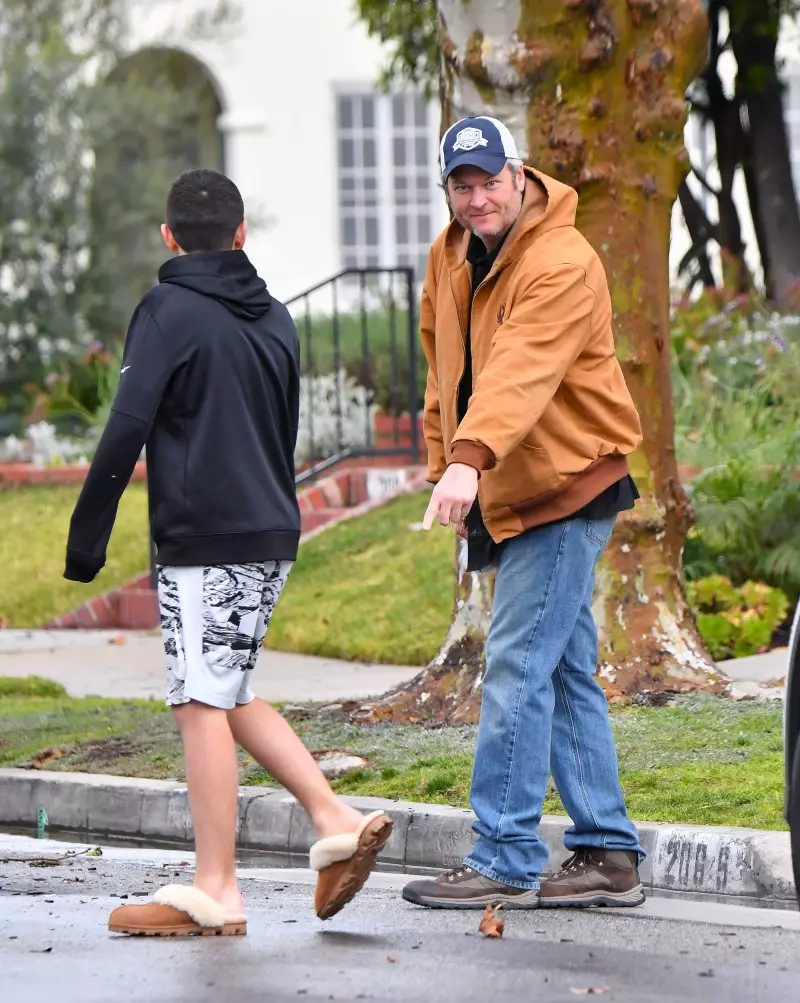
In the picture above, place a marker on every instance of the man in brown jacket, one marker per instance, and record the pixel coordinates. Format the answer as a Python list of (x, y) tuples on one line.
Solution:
[(528, 424)]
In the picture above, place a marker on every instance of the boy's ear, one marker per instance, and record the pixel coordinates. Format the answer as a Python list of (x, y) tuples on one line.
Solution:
[(240, 236), (169, 239)]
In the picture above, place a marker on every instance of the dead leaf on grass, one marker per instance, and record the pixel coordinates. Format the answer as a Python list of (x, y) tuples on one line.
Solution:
[(491, 926), (41, 759)]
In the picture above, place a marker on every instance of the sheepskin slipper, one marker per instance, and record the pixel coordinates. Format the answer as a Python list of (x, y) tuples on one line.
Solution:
[(344, 863), (177, 911)]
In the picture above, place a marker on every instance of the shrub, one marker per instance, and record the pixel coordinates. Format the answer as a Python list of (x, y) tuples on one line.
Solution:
[(736, 621)]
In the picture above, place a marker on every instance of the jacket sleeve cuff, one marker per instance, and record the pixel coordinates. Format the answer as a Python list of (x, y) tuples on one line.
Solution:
[(472, 454), (82, 567)]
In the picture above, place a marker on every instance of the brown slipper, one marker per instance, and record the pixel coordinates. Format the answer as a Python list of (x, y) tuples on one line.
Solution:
[(344, 863), (177, 911)]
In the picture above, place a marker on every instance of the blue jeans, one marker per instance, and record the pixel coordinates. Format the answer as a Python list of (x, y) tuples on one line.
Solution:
[(542, 708)]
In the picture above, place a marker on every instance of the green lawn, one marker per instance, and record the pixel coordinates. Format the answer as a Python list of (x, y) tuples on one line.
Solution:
[(704, 760), (370, 589), (35, 522)]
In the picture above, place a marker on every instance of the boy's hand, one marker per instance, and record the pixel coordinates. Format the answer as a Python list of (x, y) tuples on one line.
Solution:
[(453, 496)]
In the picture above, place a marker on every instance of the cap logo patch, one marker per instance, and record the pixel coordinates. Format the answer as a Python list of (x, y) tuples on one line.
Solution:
[(469, 139)]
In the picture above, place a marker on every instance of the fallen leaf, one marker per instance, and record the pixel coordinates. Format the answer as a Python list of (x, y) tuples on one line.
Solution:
[(589, 990), (491, 926), (118, 639), (45, 756), (96, 852), (391, 960)]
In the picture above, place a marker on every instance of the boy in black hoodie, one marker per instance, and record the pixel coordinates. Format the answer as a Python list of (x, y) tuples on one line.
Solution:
[(210, 385)]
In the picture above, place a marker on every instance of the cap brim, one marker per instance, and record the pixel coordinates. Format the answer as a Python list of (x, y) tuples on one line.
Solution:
[(492, 163)]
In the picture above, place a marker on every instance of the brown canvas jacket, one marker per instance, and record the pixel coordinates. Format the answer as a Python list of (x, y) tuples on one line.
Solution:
[(550, 421)]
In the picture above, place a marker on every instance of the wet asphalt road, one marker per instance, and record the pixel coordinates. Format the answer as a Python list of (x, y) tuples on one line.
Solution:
[(54, 945)]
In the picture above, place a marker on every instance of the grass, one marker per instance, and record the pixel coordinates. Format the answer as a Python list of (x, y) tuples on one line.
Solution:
[(370, 589), (367, 590), (703, 760), (35, 523)]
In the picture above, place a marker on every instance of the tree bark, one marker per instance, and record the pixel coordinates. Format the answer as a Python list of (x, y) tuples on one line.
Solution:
[(700, 232), (761, 93), (731, 145), (593, 91), (449, 689)]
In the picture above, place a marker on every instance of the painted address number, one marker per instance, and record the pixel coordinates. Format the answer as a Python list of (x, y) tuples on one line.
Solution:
[(689, 864)]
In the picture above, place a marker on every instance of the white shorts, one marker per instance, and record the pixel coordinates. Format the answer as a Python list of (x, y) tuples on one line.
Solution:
[(214, 621)]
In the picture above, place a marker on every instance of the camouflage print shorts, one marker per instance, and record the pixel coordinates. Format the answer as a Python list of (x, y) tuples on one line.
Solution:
[(214, 621)]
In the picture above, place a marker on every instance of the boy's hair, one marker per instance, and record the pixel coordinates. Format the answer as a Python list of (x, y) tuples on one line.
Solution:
[(204, 210)]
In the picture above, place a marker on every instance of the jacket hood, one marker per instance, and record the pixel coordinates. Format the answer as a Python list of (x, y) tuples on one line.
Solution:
[(225, 276), (532, 222)]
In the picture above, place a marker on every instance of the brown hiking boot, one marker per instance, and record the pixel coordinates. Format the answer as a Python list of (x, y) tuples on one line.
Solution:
[(594, 877), (463, 888)]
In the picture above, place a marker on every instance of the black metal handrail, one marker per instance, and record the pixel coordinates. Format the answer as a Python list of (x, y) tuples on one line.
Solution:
[(345, 340)]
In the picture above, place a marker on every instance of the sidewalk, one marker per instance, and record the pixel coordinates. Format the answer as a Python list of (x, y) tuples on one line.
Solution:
[(92, 663)]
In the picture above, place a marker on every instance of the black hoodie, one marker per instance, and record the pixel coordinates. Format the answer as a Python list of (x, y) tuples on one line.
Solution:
[(210, 383)]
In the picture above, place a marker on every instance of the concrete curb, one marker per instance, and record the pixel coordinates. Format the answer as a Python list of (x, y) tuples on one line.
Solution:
[(731, 863)]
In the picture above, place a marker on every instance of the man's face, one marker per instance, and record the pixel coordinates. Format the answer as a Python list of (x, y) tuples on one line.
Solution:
[(486, 204)]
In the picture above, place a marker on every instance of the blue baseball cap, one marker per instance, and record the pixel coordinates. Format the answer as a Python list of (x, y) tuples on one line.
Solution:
[(478, 141)]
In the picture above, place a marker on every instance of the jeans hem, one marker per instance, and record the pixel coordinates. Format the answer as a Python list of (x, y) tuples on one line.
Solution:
[(487, 872)]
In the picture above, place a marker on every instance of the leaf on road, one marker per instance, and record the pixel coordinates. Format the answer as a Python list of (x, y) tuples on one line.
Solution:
[(589, 990), (118, 639), (96, 852), (491, 926)]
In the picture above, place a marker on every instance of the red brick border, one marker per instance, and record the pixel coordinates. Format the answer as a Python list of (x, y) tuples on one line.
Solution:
[(17, 475)]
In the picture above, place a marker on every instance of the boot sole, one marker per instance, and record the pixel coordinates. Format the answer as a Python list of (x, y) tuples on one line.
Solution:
[(528, 901), (629, 899)]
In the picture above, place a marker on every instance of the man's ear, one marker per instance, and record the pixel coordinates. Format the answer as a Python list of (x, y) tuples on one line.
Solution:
[(240, 236), (169, 239)]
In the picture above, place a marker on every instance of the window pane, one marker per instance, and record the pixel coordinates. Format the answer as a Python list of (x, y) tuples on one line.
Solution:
[(369, 153), (368, 112), (398, 110), (370, 183), (345, 112), (423, 229), (399, 151), (350, 260), (421, 145), (372, 231), (348, 232), (403, 259), (346, 153), (422, 265), (373, 261), (401, 229), (420, 112)]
